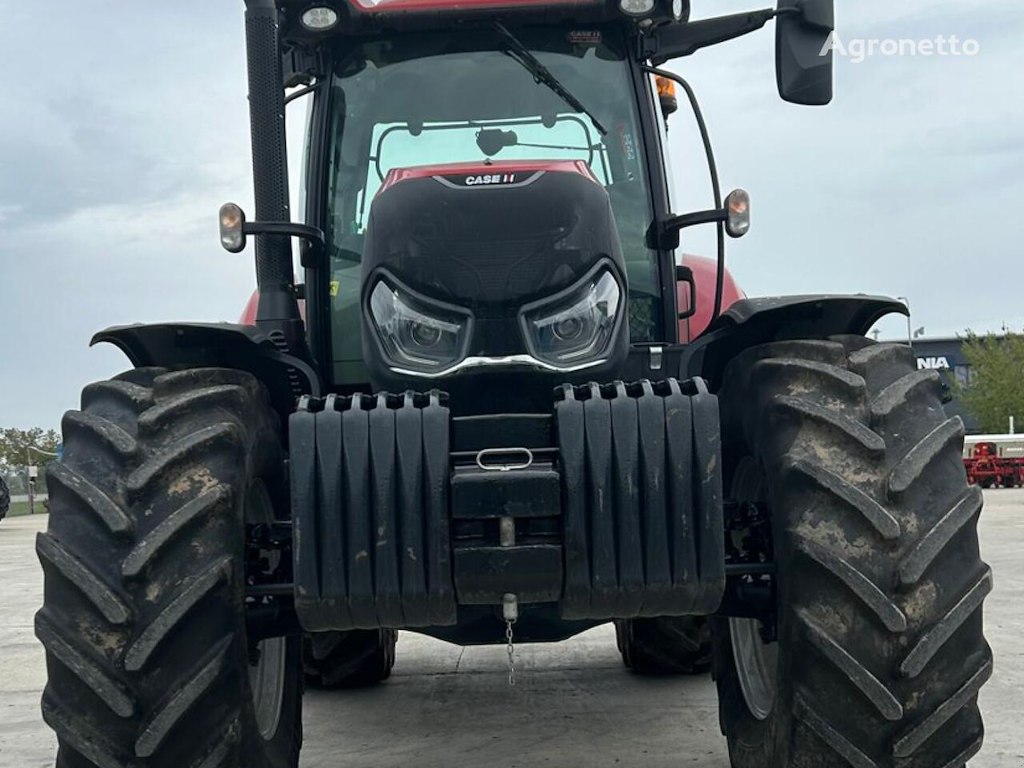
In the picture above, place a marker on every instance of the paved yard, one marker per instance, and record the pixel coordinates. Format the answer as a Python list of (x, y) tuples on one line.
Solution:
[(574, 705)]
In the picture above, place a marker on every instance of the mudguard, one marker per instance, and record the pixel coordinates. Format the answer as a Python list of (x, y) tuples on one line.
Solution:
[(217, 345), (751, 322)]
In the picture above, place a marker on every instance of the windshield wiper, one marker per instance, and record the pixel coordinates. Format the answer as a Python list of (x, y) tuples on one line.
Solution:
[(520, 53)]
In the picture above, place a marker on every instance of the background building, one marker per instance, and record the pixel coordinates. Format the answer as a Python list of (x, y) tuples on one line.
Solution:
[(946, 356)]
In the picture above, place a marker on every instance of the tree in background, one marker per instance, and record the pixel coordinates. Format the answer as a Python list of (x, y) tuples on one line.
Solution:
[(996, 387), (18, 445)]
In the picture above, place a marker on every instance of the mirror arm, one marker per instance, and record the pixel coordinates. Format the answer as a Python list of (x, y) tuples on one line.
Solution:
[(668, 231), (693, 219), (671, 239), (313, 240), (686, 39)]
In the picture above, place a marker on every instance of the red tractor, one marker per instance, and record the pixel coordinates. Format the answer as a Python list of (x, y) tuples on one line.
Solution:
[(509, 411)]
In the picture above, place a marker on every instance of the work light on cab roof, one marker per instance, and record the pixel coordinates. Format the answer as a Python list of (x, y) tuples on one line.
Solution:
[(319, 19), (636, 7), (350, 17)]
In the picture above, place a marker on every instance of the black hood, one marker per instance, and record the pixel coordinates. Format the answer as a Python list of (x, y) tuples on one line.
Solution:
[(489, 240)]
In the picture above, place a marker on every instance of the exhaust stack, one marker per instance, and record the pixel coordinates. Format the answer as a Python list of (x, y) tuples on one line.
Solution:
[(274, 273)]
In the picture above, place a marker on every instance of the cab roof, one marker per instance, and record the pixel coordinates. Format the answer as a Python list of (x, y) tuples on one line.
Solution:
[(365, 17)]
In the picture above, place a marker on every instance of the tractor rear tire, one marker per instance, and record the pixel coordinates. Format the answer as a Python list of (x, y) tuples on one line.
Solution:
[(354, 659), (673, 645), (879, 653), (144, 609)]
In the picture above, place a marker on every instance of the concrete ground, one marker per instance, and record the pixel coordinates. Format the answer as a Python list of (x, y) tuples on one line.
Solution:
[(574, 705)]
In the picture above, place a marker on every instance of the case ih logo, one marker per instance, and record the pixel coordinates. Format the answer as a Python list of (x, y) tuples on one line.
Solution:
[(933, 363), (488, 179)]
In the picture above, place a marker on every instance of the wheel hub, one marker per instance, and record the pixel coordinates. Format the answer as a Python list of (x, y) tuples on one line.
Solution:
[(756, 661), (266, 680), (756, 665), (268, 669)]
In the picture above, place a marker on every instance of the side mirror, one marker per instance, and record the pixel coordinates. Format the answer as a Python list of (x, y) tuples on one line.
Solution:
[(803, 50)]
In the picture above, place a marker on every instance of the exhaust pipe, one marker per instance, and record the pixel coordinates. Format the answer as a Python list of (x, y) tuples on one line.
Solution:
[(278, 307)]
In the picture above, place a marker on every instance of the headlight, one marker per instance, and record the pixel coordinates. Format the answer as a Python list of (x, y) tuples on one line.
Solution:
[(576, 327), (416, 334)]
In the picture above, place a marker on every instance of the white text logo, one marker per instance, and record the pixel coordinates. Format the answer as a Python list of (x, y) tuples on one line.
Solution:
[(498, 178), (857, 50), (932, 363)]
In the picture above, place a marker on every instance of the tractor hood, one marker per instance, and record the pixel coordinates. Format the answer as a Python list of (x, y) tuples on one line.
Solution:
[(474, 269)]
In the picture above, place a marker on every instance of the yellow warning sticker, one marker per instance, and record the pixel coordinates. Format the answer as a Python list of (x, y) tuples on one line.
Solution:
[(335, 288)]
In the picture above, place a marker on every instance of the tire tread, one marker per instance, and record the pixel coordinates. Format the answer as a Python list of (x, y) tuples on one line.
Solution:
[(881, 571), (143, 557)]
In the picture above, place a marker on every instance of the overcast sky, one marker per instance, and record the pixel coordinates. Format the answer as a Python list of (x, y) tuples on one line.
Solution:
[(124, 127)]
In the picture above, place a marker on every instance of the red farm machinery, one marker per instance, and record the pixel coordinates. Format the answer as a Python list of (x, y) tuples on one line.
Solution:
[(995, 461)]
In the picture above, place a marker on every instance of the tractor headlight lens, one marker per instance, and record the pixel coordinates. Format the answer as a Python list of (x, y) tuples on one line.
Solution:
[(416, 334), (577, 327)]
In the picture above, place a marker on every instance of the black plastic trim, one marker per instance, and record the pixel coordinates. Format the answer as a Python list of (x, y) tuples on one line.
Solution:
[(318, 298), (658, 187), (218, 345), (750, 322)]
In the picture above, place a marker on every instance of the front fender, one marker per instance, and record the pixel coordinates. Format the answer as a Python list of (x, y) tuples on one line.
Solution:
[(217, 345), (751, 322)]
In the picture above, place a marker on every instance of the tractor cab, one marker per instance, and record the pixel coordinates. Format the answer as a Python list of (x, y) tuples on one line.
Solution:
[(488, 180), (476, 221)]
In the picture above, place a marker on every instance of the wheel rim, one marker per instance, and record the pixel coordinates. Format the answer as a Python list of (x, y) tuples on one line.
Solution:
[(755, 661), (267, 675), (755, 665), (266, 680)]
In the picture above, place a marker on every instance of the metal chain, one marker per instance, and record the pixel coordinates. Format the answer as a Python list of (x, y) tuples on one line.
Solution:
[(511, 653)]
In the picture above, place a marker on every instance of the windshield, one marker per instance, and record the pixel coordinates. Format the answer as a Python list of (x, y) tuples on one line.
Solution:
[(447, 98)]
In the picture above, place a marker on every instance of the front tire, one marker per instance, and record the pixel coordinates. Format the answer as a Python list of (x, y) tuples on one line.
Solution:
[(879, 654), (143, 617)]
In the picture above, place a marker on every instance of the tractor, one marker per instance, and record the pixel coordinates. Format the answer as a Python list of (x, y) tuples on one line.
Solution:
[(502, 406), (5, 498)]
